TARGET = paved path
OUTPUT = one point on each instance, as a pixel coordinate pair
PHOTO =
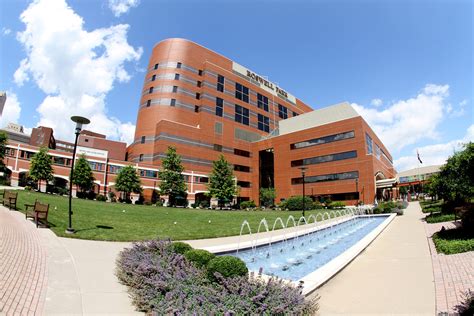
(23, 273)
(453, 274)
(392, 276)
(80, 273)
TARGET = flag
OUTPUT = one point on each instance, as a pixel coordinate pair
(418, 156)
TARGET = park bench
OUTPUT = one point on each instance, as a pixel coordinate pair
(9, 199)
(39, 213)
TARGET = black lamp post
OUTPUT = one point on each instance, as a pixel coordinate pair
(303, 171)
(79, 120)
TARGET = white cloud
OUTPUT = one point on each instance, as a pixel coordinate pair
(376, 102)
(76, 68)
(434, 154)
(120, 7)
(459, 111)
(406, 122)
(6, 31)
(11, 110)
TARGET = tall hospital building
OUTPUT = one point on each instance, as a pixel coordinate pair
(205, 104)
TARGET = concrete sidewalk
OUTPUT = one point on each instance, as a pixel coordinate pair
(392, 276)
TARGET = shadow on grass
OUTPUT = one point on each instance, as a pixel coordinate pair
(458, 233)
(96, 227)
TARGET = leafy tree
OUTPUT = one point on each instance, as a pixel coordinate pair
(221, 181)
(455, 182)
(128, 181)
(3, 147)
(172, 181)
(267, 196)
(83, 176)
(41, 167)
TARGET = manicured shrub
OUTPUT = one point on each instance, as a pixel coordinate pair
(180, 247)
(247, 204)
(295, 203)
(451, 241)
(199, 257)
(377, 210)
(163, 282)
(227, 266)
(466, 307)
(101, 198)
(336, 205)
(317, 205)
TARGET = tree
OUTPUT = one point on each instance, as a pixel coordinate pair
(172, 181)
(41, 167)
(128, 181)
(3, 147)
(221, 181)
(83, 176)
(267, 196)
(456, 183)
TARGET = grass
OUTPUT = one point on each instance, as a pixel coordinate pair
(439, 217)
(125, 222)
(453, 241)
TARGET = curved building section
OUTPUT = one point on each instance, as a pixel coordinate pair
(205, 105)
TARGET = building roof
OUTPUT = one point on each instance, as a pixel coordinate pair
(330, 114)
(419, 171)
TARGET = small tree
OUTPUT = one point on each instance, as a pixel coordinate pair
(83, 176)
(267, 196)
(41, 167)
(3, 147)
(128, 181)
(172, 181)
(221, 181)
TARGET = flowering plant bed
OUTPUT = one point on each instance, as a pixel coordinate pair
(165, 282)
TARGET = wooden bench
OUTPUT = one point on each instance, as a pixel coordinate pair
(39, 213)
(9, 199)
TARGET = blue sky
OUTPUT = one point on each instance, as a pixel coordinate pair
(406, 66)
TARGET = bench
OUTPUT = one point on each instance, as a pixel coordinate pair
(39, 213)
(9, 199)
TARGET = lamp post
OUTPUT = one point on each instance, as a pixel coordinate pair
(357, 189)
(79, 120)
(303, 171)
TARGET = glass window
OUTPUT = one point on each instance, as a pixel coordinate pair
(323, 140)
(175, 89)
(219, 107)
(263, 123)
(220, 83)
(198, 84)
(295, 114)
(198, 95)
(325, 158)
(153, 78)
(156, 66)
(377, 151)
(218, 127)
(176, 76)
(148, 173)
(217, 147)
(178, 65)
(240, 152)
(243, 184)
(262, 102)
(201, 179)
(241, 92)
(368, 140)
(173, 102)
(242, 115)
(143, 139)
(241, 168)
(140, 158)
(196, 108)
(200, 72)
(282, 111)
(148, 103)
(151, 90)
(327, 177)
(114, 169)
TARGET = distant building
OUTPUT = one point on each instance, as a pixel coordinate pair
(417, 176)
(16, 133)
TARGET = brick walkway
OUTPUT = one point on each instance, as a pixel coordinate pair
(22, 266)
(453, 274)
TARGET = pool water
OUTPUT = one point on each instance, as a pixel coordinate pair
(297, 257)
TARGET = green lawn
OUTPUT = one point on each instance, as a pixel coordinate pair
(454, 241)
(431, 206)
(439, 218)
(125, 222)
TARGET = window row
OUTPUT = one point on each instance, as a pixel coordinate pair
(323, 159)
(323, 140)
(178, 66)
(327, 177)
